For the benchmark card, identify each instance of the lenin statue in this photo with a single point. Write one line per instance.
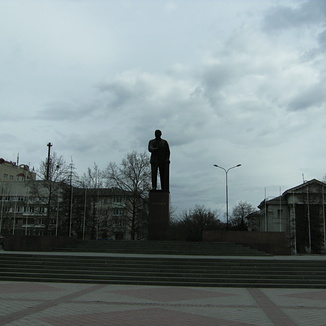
(160, 161)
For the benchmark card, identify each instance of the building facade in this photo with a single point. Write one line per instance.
(37, 207)
(300, 213)
(109, 213)
(11, 171)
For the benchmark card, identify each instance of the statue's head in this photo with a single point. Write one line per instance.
(158, 133)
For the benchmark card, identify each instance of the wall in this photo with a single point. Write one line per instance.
(33, 243)
(271, 242)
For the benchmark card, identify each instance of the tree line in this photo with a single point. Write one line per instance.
(132, 176)
(129, 180)
(190, 224)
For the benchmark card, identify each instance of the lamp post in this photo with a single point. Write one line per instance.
(227, 190)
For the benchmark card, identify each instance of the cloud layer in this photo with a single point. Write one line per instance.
(227, 84)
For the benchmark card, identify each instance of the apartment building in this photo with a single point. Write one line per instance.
(11, 171)
(38, 207)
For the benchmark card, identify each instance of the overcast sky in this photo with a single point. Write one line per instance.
(227, 82)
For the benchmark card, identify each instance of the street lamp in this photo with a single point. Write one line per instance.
(226, 190)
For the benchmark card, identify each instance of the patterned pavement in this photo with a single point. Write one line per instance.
(57, 304)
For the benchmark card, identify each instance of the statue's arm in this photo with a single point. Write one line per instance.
(151, 148)
(168, 151)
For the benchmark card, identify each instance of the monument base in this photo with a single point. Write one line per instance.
(159, 215)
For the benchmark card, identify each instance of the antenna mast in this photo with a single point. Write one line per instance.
(48, 161)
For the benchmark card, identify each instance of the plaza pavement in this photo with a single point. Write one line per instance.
(54, 304)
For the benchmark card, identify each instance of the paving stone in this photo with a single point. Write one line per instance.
(129, 305)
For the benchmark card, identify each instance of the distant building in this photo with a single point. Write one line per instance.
(23, 210)
(113, 214)
(300, 213)
(38, 207)
(10, 171)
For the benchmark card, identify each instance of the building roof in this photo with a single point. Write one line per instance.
(270, 201)
(304, 185)
(291, 190)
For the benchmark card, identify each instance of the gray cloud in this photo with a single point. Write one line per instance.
(322, 41)
(309, 12)
(222, 89)
(313, 96)
(62, 111)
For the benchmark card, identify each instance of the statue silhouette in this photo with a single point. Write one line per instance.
(160, 161)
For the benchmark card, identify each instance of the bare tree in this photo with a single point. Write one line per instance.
(92, 181)
(132, 177)
(57, 167)
(240, 212)
(52, 174)
(93, 178)
(5, 215)
(191, 224)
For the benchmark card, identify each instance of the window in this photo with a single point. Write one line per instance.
(39, 221)
(28, 209)
(117, 212)
(119, 222)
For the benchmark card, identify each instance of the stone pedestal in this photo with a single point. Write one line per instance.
(159, 215)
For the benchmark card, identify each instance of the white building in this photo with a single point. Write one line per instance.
(300, 213)
(11, 171)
